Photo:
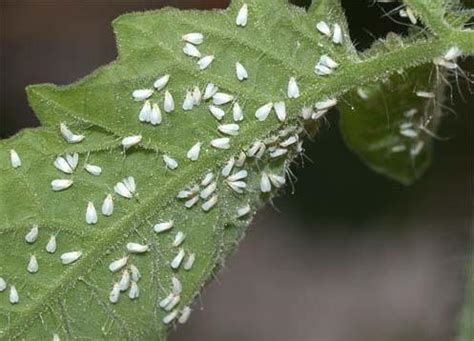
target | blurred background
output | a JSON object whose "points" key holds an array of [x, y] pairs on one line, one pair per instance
{"points": [[347, 256]]}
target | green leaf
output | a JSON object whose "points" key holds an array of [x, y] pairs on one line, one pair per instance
{"points": [[72, 300], [279, 42], [375, 120]]}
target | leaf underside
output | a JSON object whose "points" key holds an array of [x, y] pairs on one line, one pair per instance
{"points": [[279, 42]]}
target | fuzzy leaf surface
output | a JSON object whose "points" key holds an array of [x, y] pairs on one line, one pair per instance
{"points": [[280, 41]]}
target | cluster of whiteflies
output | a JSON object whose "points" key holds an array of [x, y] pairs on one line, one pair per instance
{"points": [[233, 174], [33, 265], [414, 127]]}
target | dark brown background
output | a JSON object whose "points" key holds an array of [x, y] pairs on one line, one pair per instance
{"points": [[349, 256]]}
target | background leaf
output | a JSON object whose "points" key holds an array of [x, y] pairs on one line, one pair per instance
{"points": [[373, 118]]}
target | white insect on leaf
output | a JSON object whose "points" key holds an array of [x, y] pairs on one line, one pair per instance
{"points": [[3, 284], [189, 262], [306, 113], [229, 129], [164, 226], [126, 188], [108, 205], [145, 112], [191, 51], [188, 102], [14, 298], [322, 70], [32, 234], [337, 34], [280, 110], [168, 104], [318, 114], [114, 293], [134, 291], [241, 72], [142, 94], [173, 303], [410, 133], [179, 239], [408, 12], [176, 262], [258, 147], [209, 204], [131, 141], [452, 53], [241, 159], [161, 82], [228, 167], [191, 202], [130, 183], [51, 245], [118, 264], [177, 287], [221, 98], [324, 28], [293, 89], [243, 211], [62, 165], [124, 281], [210, 91], [205, 62], [91, 213], [68, 135], [277, 181], [265, 185], [32, 266], [197, 95], [289, 141], [426, 94], [70, 257], [73, 160], [134, 273], [207, 179], [237, 112], [165, 301], [325, 104], [237, 186], [208, 190], [262, 113], [398, 148], [188, 193], [170, 162], [185, 314], [278, 152], [155, 116], [362, 93], [241, 174], [328, 62], [242, 16], [217, 112], [170, 317], [194, 151], [61, 184], [221, 143], [137, 248], [14, 159], [194, 38], [93, 169]]}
